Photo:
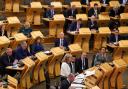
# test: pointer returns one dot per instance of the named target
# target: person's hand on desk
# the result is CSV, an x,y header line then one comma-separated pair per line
x,y
15,62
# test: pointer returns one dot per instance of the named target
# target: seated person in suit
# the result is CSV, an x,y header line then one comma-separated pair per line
x,y
61,41
92,23
50,12
65,84
82,63
85,2
101,57
26,29
36,46
114,37
94,11
21,51
113,24
65,66
114,12
73,65
104,4
75,26
3,31
7,59
72,11
122,3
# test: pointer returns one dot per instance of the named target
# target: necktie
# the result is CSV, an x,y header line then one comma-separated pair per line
x,y
83,63
95,13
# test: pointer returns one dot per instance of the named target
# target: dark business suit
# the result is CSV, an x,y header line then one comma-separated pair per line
x,y
34,48
5,61
5,33
85,2
113,24
92,25
92,12
112,38
122,7
114,13
73,26
65,84
104,8
57,43
72,12
21,54
50,13
79,65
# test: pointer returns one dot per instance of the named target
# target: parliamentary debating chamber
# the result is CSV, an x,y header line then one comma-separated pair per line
x,y
63,44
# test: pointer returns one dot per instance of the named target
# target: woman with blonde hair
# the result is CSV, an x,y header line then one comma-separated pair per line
x,y
65,66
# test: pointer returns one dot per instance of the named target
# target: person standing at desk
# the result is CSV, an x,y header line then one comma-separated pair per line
x,y
122,5
82,63
104,4
3,31
61,41
26,29
50,12
36,46
65,66
22,51
94,11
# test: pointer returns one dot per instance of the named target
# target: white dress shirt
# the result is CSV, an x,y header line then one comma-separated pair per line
x,y
61,42
65,69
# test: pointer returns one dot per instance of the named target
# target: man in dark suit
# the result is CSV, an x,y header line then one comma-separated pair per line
x,y
104,4
85,2
22,51
50,12
94,11
114,12
92,23
7,59
122,3
114,37
65,84
61,41
72,11
82,63
113,24
75,26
